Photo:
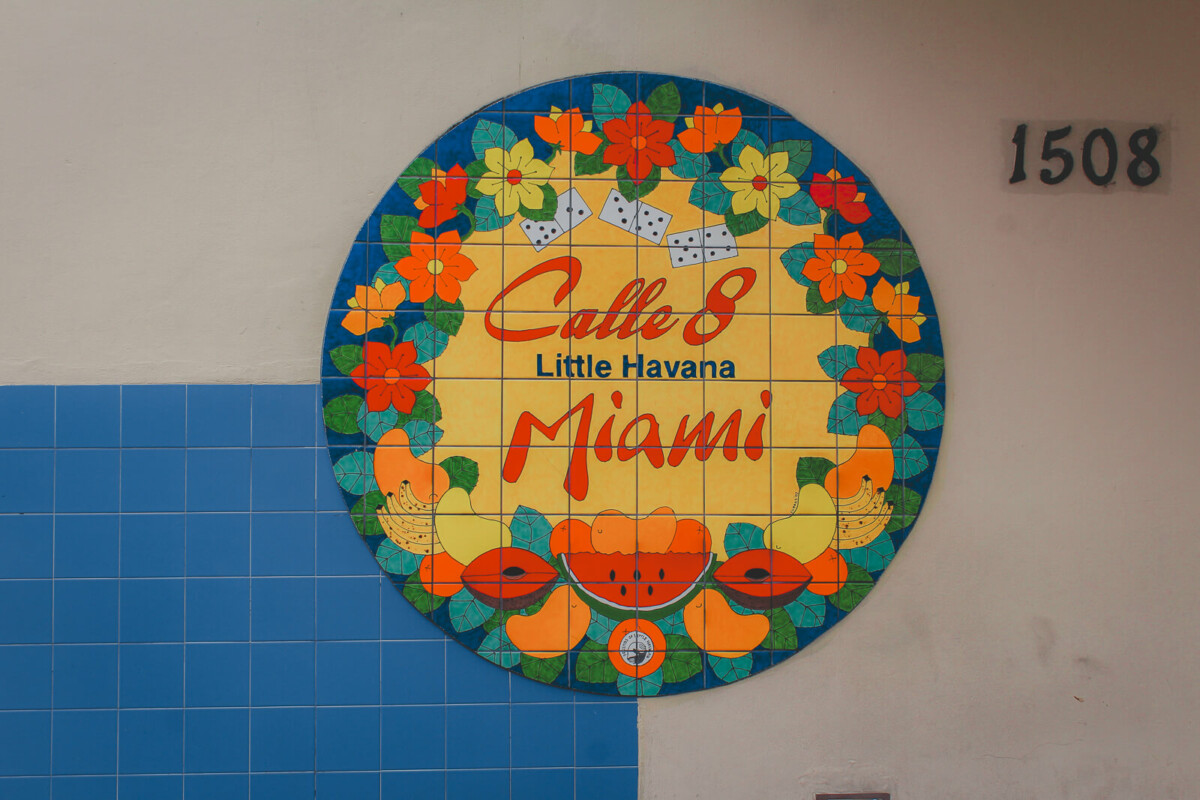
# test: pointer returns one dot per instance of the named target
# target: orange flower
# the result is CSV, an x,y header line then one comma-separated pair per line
x,y
901,309
840,266
710,127
568,130
373,306
435,267
441,195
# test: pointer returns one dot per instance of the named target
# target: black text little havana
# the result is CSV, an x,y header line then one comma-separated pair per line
x,y
632,367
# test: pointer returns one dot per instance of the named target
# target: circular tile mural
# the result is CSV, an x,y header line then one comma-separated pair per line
x,y
633,384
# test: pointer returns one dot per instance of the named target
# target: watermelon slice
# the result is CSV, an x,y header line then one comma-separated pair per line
x,y
637,581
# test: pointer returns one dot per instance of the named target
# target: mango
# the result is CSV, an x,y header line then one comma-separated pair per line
x,y
441,575
872,458
719,630
464,534
809,530
395,464
613,532
553,629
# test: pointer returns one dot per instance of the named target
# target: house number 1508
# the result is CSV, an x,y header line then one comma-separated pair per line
x,y
1100,154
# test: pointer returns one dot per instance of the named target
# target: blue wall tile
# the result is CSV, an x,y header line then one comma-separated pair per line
x,y
152,610
218,416
359,785
27,616
284,479
151,741
340,741
218,480
425,783
340,550
596,744
152,480
347,673
150,787
471,679
28,414
25,743
543,783
479,735
605,784
26,481
87,546
86,610
285,416
218,544
25,677
25,788
281,543
85,742
152,545
218,609
86,480
88,416
153,416
282,673
217,740
283,609
423,665
282,739
348,608
543,735
218,674
151,675
471,784
84,787
414,737
215,787
26,546
85,676
269,786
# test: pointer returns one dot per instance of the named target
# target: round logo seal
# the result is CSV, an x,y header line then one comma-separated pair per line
x,y
633,384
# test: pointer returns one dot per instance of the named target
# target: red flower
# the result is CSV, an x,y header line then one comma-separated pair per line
x,y
880,381
441,196
639,142
842,195
391,376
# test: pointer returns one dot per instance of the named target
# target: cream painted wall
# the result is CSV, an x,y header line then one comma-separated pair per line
x,y
181,182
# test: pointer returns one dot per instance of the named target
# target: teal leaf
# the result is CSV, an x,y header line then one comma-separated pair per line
x,y
355,473
925,412
844,417
688,165
873,556
497,648
487,218
794,259
393,228
467,612
837,359
341,413
710,194
531,531
859,315
601,627
376,423
608,102
422,436
743,139
387,273
489,134
812,469
430,341
395,560
799,209
673,624
807,610
646,686
910,458
741,536
731,669
799,154
664,102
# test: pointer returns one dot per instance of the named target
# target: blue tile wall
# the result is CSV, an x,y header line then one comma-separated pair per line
x,y
188,611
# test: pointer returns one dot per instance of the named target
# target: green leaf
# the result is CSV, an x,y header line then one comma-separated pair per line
x,y
632,191
494,621
807,610
844,417
497,648
683,659
475,170
393,228
592,164
355,473
859,315
608,102
874,555
896,258
531,531
395,252
543,669
425,407
467,612
463,472
925,412
799,155
905,505
742,224
927,368
341,414
836,360
664,102
415,593
429,341
731,669
489,134
592,665
395,560
416,173
892,426
812,469
422,436
549,206
858,584
363,514
646,686
376,423
741,536
710,194
446,317
783,631
794,259
487,218
816,305
910,458
687,165
799,209
347,357
743,139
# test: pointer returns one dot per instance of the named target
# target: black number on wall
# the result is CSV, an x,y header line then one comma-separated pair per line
x,y
1099,156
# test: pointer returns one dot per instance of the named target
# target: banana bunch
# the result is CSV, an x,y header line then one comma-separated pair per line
x,y
409,523
863,516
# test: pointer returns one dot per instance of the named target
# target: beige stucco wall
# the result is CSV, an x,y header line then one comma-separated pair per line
x,y
181,181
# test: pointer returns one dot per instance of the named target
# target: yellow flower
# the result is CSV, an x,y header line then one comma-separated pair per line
x,y
759,183
372,306
901,309
514,177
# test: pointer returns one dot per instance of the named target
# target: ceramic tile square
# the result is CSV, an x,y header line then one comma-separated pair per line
x,y
30,413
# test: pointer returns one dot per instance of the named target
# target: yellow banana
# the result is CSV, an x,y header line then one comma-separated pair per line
x,y
860,499
409,523
863,517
